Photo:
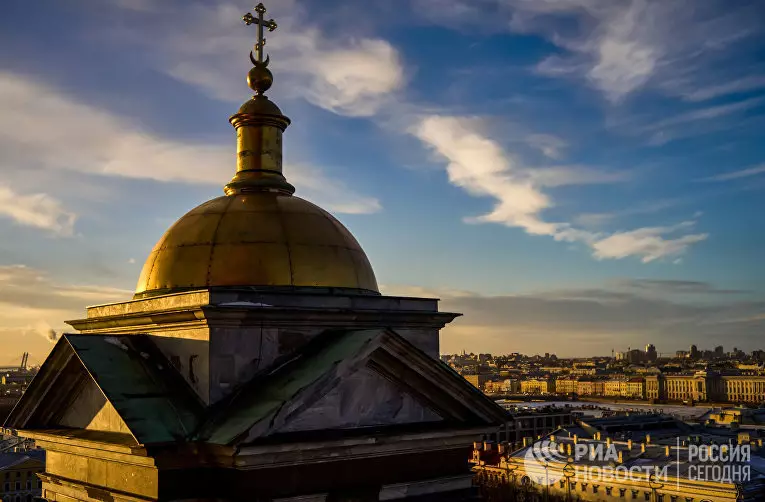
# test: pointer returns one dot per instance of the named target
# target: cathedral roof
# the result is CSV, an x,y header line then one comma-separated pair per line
x,y
120,390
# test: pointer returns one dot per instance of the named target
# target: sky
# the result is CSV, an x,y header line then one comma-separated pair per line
x,y
574,176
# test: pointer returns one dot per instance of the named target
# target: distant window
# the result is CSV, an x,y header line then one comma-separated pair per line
x,y
18,485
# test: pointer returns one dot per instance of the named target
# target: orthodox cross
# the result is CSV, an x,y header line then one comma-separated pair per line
x,y
270,24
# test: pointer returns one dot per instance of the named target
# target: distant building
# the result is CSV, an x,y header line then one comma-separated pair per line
x,y
743,389
650,352
478,380
566,386
538,386
18,475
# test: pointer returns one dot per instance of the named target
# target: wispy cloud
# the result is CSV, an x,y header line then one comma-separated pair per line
x,y
550,145
556,176
675,286
37,210
698,122
351,76
707,113
743,84
598,220
89,140
619,47
735,175
483,168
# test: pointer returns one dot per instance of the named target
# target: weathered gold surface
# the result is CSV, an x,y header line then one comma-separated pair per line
x,y
258,239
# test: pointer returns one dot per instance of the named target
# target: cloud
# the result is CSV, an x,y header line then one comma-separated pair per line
x,y
483,168
82,138
598,220
619,47
551,146
698,122
735,175
583,322
347,75
649,243
677,286
743,84
34,306
557,176
708,113
37,210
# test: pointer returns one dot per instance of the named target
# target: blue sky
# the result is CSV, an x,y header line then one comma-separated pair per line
x,y
572,175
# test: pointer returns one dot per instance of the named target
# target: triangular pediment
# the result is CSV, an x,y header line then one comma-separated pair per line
x,y
350,380
120,387
362,399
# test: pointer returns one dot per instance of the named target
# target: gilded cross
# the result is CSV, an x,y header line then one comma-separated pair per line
x,y
262,23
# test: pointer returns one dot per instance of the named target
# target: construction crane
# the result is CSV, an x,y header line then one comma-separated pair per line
x,y
24,361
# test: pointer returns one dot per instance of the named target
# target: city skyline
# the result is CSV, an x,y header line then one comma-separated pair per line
x,y
568,190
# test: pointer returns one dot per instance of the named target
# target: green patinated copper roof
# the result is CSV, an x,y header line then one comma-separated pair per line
x,y
264,396
154,401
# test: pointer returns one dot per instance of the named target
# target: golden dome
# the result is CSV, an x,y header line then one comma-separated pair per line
x,y
256,239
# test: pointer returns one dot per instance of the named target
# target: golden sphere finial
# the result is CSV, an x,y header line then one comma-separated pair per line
x,y
260,78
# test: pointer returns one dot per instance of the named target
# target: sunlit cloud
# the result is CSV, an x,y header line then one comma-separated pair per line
x,y
345,75
82,138
37,210
483,168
